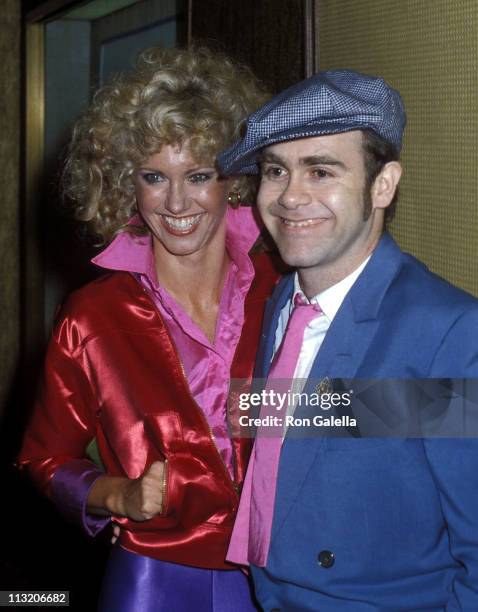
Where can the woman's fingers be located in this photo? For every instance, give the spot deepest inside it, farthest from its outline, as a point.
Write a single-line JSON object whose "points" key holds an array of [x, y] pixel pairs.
{"points": [[116, 534], [143, 497]]}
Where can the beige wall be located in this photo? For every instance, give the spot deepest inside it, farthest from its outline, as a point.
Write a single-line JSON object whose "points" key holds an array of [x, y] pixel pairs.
{"points": [[9, 178], [428, 49]]}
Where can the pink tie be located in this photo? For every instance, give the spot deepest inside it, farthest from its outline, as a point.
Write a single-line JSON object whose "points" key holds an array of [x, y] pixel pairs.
{"points": [[261, 478]]}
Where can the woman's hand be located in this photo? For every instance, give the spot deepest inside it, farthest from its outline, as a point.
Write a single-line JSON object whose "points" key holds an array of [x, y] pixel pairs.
{"points": [[116, 533], [138, 499], [141, 499]]}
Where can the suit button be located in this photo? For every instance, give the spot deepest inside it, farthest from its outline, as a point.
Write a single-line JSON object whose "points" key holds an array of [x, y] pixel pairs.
{"points": [[326, 559]]}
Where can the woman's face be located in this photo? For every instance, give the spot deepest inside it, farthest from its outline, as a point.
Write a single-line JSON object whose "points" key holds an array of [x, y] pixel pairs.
{"points": [[182, 202]]}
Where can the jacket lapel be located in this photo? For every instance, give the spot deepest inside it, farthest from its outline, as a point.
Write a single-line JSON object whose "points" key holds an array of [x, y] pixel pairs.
{"points": [[353, 328], [340, 356]]}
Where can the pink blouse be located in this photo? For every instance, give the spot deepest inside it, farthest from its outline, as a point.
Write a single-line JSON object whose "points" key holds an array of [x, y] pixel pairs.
{"points": [[207, 365]]}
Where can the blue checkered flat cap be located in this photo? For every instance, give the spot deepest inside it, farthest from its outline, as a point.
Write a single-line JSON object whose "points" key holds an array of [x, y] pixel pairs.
{"points": [[326, 103]]}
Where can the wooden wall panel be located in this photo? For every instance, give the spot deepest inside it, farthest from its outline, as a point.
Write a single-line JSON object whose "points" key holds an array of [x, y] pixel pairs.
{"points": [[266, 35], [9, 188]]}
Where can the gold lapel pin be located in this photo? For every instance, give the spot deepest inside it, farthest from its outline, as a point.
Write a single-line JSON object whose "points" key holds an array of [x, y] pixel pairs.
{"points": [[324, 386]]}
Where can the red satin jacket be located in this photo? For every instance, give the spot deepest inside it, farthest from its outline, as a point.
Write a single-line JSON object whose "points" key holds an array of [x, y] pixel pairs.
{"points": [[112, 373]]}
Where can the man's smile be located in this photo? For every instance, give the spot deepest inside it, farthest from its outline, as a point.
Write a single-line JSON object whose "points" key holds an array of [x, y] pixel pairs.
{"points": [[302, 223]]}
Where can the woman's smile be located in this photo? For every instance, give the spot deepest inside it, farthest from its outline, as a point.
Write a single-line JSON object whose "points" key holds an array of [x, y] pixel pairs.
{"points": [[181, 226]]}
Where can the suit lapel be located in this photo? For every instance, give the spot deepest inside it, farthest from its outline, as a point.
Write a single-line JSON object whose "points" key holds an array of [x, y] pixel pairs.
{"points": [[342, 353], [353, 328], [340, 356]]}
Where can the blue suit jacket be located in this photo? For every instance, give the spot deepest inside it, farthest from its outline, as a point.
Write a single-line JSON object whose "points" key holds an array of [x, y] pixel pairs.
{"points": [[399, 515]]}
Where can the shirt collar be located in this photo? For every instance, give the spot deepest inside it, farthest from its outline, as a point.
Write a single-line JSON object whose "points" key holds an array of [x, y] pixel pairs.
{"points": [[331, 299], [129, 252]]}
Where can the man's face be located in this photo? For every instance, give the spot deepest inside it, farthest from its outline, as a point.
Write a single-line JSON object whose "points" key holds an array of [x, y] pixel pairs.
{"points": [[311, 199]]}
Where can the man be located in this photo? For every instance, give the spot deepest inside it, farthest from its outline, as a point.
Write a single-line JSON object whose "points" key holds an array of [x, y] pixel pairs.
{"points": [[364, 524]]}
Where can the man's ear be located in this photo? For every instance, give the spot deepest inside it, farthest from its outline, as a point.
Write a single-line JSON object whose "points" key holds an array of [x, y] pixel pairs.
{"points": [[385, 185]]}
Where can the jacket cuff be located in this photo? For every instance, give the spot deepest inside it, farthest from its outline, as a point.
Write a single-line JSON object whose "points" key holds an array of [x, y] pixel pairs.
{"points": [[70, 487]]}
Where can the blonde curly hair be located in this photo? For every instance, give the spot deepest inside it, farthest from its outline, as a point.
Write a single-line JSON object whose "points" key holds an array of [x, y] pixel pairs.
{"points": [[174, 96]]}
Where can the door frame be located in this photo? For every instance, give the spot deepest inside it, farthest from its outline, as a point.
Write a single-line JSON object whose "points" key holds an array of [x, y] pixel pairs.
{"points": [[33, 185]]}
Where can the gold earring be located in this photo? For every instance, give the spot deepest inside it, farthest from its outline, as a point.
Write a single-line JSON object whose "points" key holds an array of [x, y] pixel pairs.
{"points": [[234, 199]]}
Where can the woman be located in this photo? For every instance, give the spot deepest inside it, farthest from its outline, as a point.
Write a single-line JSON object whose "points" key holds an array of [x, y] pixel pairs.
{"points": [[138, 368]]}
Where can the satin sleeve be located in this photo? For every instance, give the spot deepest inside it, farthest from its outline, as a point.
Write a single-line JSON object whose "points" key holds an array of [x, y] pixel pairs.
{"points": [[70, 487], [62, 425]]}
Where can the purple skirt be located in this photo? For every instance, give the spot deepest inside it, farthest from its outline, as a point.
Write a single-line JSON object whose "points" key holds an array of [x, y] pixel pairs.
{"points": [[134, 583]]}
